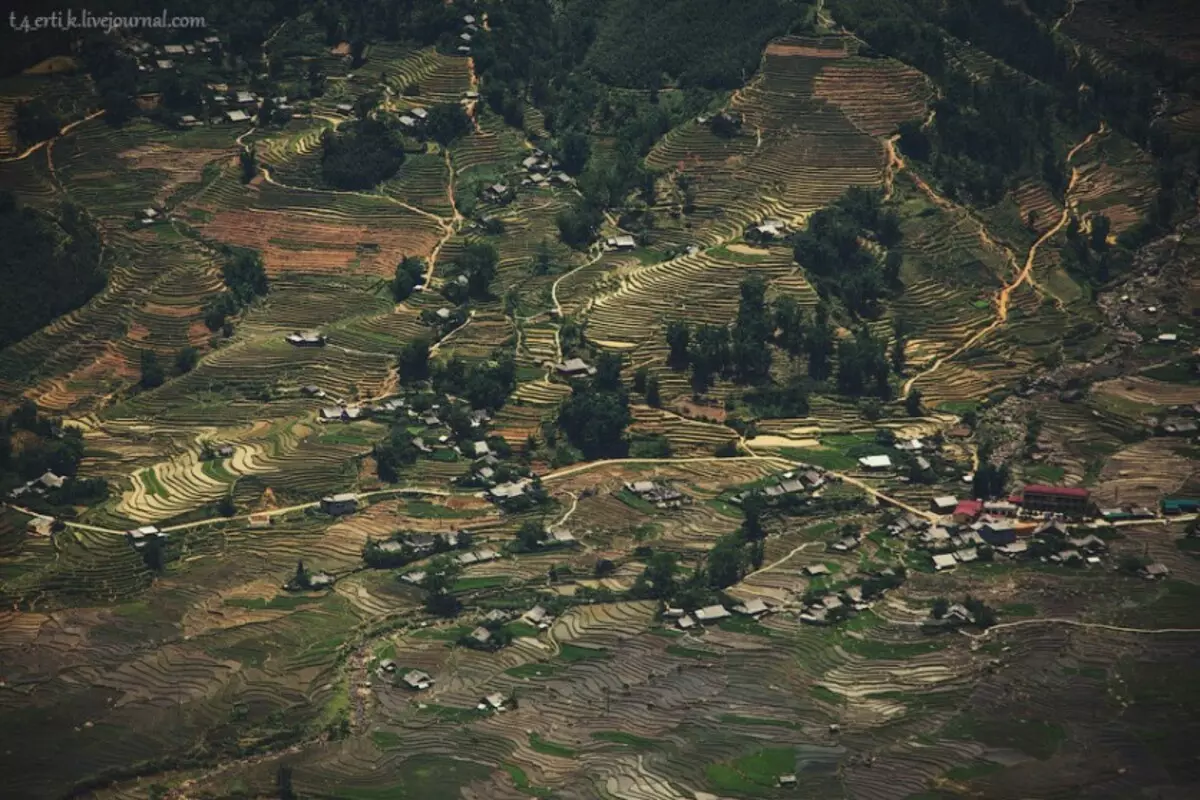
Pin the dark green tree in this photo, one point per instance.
(679, 341)
(248, 161)
(653, 399)
(186, 358)
(152, 372)
(413, 360)
(409, 272)
(447, 122)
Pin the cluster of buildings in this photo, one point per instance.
(152, 59)
(798, 482)
(469, 31)
(686, 620)
(1182, 420)
(39, 485)
(540, 169)
(422, 544)
(481, 556)
(662, 495)
(415, 679)
(827, 607)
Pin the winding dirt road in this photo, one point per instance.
(1002, 299)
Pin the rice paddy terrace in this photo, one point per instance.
(203, 679)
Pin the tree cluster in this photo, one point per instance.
(484, 384)
(477, 263)
(447, 122)
(360, 155)
(409, 272)
(596, 414)
(833, 253)
(245, 279)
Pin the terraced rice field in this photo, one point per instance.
(205, 677)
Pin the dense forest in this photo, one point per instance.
(711, 43)
(48, 267)
(985, 133)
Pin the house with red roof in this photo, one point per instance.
(967, 511)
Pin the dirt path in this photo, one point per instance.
(1002, 299)
(781, 561)
(1077, 624)
(62, 132)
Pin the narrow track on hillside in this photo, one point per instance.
(1002, 298)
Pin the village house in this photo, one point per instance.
(139, 536)
(338, 504)
(414, 578)
(508, 491)
(560, 537)
(752, 608)
(574, 368)
(875, 462)
(310, 339)
(481, 635)
(1155, 571)
(943, 561)
(997, 532)
(943, 504)
(493, 701)
(769, 230)
(237, 115)
(967, 511)
(320, 580)
(497, 192)
(417, 679)
(815, 570)
(48, 480)
(622, 242)
(711, 613)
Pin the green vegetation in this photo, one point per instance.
(550, 748)
(572, 652)
(521, 780)
(827, 695)
(537, 670)
(977, 769)
(752, 773)
(280, 602)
